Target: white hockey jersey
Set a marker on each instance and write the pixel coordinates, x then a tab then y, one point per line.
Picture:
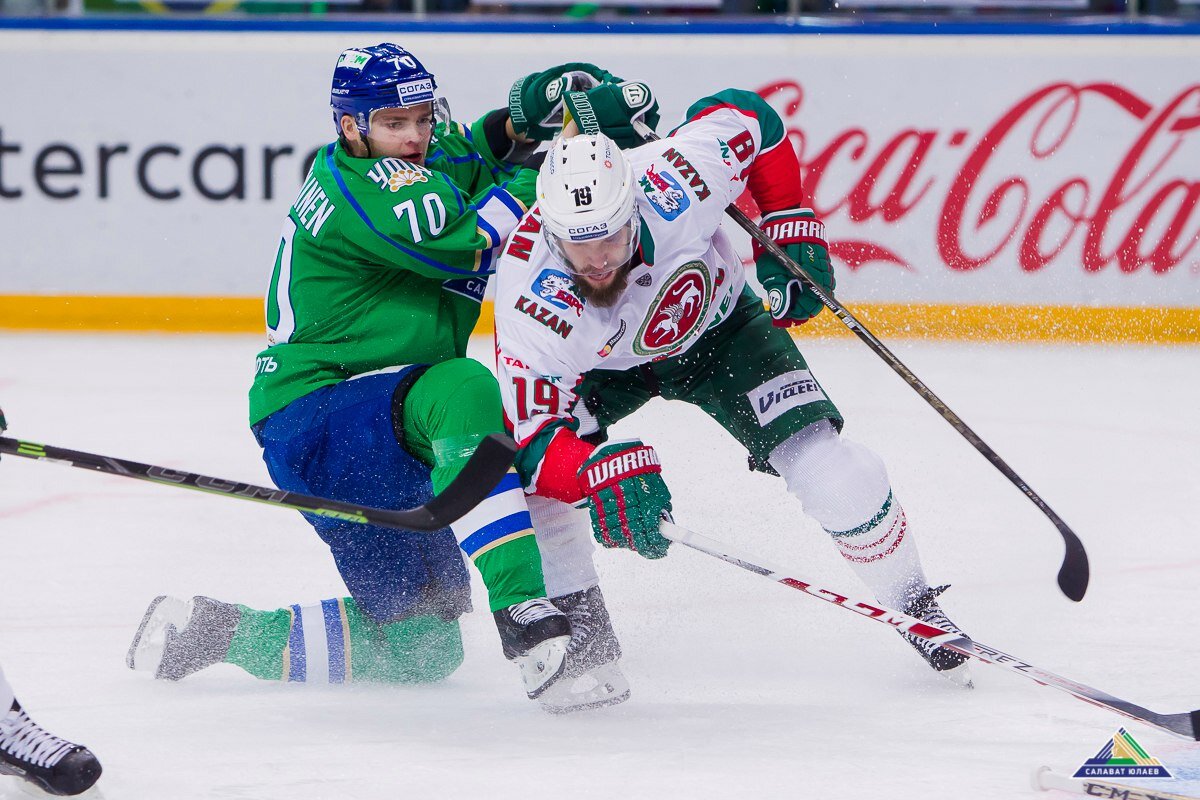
548	337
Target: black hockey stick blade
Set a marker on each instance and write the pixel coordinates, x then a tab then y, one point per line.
479	476
482	472
1074	573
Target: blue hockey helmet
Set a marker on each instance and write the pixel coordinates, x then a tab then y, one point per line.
385	75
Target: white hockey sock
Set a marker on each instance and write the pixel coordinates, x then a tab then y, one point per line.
884	555
844	486
564	537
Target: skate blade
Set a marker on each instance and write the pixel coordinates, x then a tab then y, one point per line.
603	686
543	665
960	676
146	652
23	789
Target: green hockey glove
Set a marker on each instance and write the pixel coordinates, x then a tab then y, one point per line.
627	497
802	236
535	101
612	109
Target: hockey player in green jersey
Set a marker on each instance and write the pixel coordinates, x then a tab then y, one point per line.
364	393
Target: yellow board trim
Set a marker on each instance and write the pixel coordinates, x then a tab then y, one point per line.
1008	323
83	313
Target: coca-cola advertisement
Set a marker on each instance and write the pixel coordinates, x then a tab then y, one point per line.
959	170
1074	183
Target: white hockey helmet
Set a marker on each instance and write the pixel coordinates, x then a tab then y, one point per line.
585	193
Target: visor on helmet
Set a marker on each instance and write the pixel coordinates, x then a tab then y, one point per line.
596	254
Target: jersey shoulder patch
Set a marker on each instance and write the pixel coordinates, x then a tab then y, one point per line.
663	191
676	170
556	288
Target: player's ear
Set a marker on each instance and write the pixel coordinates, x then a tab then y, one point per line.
349	129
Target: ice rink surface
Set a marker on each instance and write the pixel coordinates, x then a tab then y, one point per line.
741	687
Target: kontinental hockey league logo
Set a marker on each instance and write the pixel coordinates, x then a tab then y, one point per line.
557	289
1122	757
676	312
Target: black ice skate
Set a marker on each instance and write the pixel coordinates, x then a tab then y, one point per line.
948	663
178	637
593	678
534	635
52	764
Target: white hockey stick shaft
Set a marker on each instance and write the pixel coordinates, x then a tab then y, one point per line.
1044	779
1182	724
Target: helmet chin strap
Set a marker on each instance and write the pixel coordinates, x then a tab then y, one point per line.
363	140
362	135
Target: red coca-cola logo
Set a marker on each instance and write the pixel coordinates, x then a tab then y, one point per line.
1088	174
677	310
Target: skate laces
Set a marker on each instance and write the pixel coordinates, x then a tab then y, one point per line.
531	611
582	624
27	741
926	608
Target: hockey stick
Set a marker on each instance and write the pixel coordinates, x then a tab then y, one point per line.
1073	574
1044	778
482	472
1186	724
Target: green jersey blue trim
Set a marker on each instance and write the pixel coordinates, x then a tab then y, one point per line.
345	190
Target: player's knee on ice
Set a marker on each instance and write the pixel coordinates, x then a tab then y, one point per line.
841	483
335	641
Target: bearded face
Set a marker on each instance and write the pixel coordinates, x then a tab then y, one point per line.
604	293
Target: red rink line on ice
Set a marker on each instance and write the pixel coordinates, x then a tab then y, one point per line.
52	500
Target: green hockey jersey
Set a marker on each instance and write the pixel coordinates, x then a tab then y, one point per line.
383	262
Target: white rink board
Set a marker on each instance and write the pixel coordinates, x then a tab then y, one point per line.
904	139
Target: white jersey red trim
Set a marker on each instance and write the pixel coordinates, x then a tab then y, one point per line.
548	337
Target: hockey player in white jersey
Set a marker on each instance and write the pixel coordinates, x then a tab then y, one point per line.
620	286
